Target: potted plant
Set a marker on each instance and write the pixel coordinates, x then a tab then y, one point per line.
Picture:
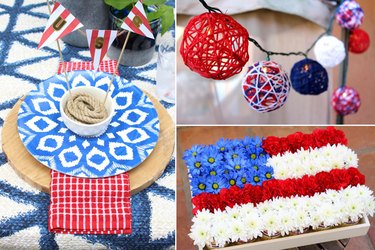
139	49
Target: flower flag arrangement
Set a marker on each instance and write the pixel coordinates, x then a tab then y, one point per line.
261	188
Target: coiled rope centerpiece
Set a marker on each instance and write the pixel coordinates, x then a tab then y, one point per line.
85	108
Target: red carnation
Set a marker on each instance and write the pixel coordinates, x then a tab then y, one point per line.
271	145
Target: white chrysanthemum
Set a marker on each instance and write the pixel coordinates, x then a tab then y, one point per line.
329	51
355	209
221	233
302	220
271	223
237	231
203	216
327	214
201	234
247	209
287	223
315	219
253	225
369	206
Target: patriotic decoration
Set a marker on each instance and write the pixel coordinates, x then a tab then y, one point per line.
89	206
60	23
99	42
137	22
251	188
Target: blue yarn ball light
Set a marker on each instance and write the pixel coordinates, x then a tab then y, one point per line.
309	77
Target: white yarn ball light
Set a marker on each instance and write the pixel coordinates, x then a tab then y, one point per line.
329	51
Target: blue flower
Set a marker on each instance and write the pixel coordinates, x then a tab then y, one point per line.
231	179
251	142
242	178
254	177
211	157
215	184
266	173
195	151
237	164
255	152
215	170
198	185
234	153
223	145
195	165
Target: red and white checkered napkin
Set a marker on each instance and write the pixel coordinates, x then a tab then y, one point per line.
108	66
89	206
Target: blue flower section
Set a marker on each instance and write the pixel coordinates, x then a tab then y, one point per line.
227	163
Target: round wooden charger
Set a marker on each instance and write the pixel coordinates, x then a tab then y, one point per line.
38	175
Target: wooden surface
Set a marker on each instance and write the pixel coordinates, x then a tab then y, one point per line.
38	175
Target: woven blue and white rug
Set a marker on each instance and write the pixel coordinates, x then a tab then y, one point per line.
23	209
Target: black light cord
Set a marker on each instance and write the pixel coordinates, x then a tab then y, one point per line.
272	53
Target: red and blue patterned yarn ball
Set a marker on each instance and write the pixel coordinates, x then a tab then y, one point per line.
215	46
345	101
266	86
349	15
309	77
359	41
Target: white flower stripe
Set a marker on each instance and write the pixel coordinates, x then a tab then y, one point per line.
282	216
312	161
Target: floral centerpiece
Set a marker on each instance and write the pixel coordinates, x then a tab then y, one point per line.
252	188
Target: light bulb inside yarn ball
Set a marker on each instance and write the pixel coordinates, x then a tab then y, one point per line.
309	77
215	46
345	100
359	41
329	51
266	86
349	15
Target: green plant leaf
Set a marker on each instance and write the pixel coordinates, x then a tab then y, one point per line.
167	19
153	2
119	4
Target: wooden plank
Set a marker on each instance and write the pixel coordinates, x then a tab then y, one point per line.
38	175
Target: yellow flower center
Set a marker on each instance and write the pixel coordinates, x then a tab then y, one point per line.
222	149
237	167
243	180
215	186
194	153
268	176
256	179
232	182
201	186
234	156
197	164
253	156
255	167
213	172
211	160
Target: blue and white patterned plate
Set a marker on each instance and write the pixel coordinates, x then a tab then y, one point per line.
129	139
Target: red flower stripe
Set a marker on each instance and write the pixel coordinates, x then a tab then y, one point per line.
307	185
318	138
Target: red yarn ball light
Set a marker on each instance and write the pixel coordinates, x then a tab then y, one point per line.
359	41
215	46
346	101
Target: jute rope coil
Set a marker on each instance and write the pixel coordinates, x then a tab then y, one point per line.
85	109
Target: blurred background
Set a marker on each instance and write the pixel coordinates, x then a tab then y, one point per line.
290	25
